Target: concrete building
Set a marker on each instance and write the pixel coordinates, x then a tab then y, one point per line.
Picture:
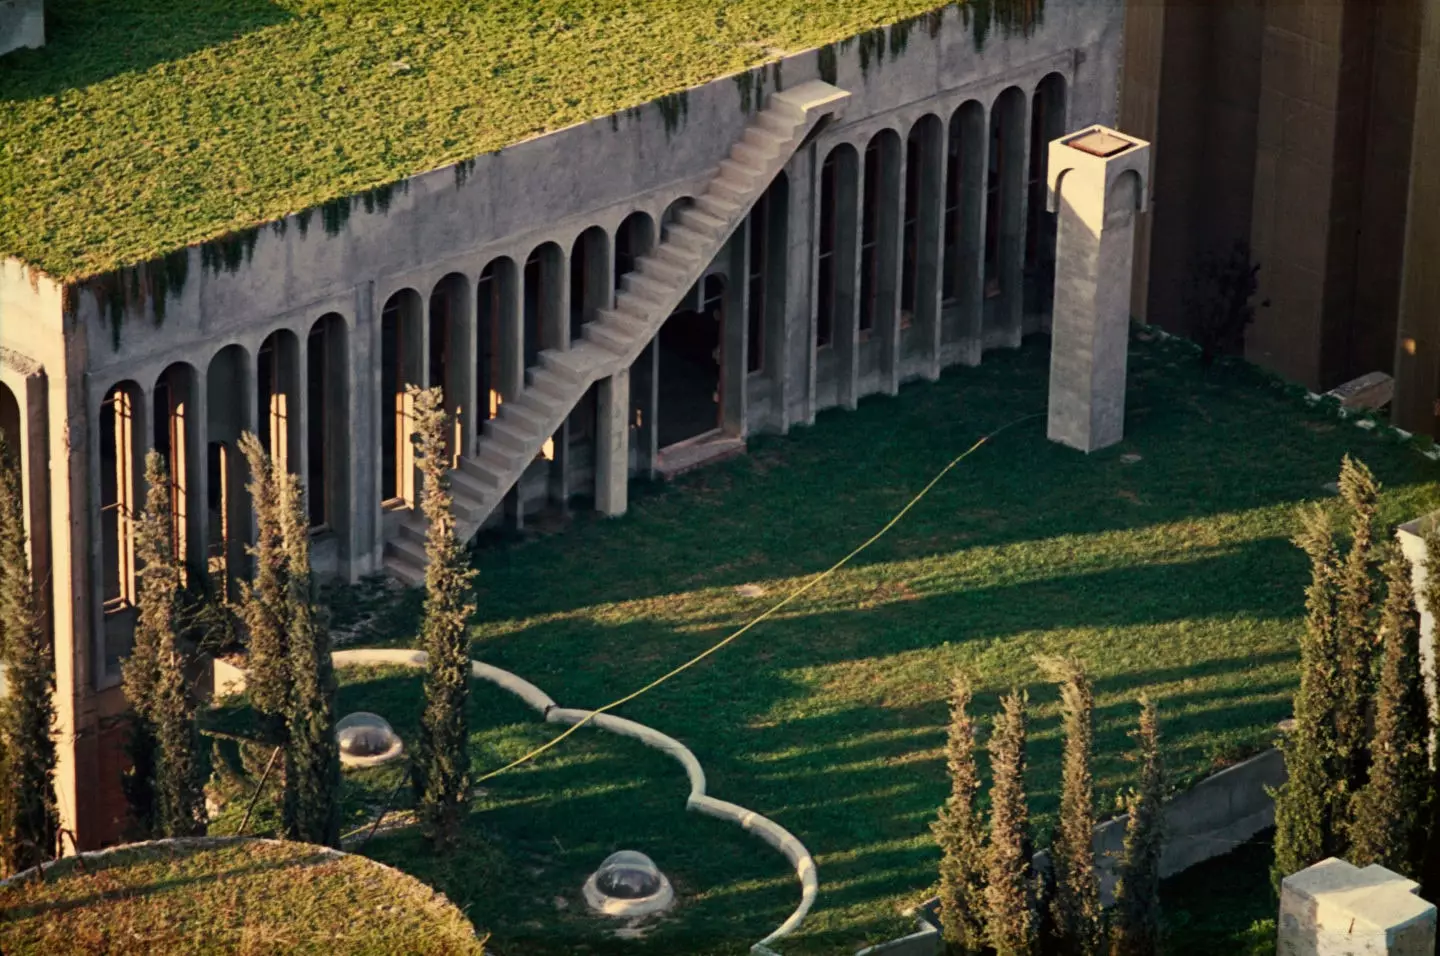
1307	129
623	297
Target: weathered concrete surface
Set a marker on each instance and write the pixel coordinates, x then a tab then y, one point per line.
1097	198
1412	542
22	24
1335	909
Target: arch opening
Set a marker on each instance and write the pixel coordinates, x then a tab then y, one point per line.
401	357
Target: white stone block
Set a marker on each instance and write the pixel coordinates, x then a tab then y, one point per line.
1336	909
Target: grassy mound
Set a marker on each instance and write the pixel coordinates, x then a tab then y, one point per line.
145	126
238	896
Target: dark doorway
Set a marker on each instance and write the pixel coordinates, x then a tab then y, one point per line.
690	399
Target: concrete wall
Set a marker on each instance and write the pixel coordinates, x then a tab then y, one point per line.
22	24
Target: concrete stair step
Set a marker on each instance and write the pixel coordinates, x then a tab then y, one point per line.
659	291
525	414
484	475
466	495
717	208
688	238
641	309
744	172
408	548
564	366
780	125
812	96
751	155
609	336
630	323
403	571
660	269
681	256
703	223
771	136
413	529
503	461
512	434
729	189
538	404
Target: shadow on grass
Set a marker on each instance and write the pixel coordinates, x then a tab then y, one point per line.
1208	444
89	41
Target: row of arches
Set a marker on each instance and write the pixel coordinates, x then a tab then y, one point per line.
194	418
871	215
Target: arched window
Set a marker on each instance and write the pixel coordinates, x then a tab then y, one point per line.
121	430
327	434
634	238
277	381
450	337
766	268
921	224
1003	186
174	431
590	278
400	358
835	250
1047	123
495	305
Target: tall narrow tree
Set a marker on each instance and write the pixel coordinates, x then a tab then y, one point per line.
1305	818
959	833
1137	892
1356	628
312	757
179	774
441	771
28	818
1387	817
1011	919
263	600
1075	906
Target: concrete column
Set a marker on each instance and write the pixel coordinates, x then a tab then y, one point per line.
1417	355
612	444
795	355
968	342
930	249
362	367
890	265
1097	179
1335	909
511	316
1012	230
735	335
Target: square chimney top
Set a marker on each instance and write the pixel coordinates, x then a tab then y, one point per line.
1100	142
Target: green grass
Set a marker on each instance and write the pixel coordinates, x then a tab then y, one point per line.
1170	575
1225	905
145	126
243	897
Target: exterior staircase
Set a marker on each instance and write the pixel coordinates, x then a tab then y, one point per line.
615	339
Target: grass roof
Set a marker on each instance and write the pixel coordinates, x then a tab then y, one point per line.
149	125
237	897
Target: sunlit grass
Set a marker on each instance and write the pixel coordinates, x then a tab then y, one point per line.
1171	575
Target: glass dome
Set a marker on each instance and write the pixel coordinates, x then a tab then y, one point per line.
628	884
366	739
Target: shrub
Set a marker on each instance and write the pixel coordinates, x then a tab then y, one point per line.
1010	914
1355	628
1075	908
1136	919
263	600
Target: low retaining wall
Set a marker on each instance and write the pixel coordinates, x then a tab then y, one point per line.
1210	819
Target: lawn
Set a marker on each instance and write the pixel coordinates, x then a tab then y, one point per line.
1163	562
146	126
241	897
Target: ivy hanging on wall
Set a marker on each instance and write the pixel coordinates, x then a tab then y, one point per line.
132	288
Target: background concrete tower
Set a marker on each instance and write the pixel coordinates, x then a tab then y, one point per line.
1097	180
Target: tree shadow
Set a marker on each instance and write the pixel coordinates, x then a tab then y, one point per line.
89	41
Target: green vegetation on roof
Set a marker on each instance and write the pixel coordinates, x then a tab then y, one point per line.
149	125
236	897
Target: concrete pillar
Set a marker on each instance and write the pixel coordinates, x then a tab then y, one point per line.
1012	111
1417	356
963	335
1097	179
929	251
888	264
612	444
362	368
735	336
1335	909
795	352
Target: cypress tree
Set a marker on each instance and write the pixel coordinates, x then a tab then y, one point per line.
1011	919
441	771
960	836
1387	816
1356	631
28	817
1075	908
179	775
1305	818
1137	892
312	756
263	601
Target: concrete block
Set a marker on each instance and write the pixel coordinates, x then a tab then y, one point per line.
1371	390
1336	909
1098	179
22	25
